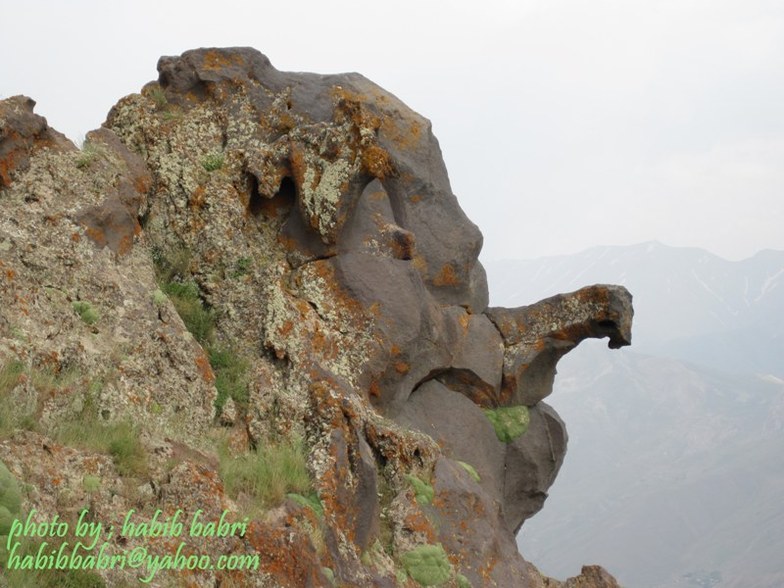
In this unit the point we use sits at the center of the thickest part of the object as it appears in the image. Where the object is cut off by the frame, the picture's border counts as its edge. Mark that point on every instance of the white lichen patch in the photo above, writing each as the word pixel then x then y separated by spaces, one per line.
pixel 322 189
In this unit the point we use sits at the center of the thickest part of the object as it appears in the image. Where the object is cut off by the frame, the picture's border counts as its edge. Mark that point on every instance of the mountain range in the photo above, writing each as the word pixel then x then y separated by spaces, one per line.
pixel 675 472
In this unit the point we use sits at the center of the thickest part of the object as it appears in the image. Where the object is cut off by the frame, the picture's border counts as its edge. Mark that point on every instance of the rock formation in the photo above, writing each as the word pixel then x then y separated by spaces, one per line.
pixel 243 260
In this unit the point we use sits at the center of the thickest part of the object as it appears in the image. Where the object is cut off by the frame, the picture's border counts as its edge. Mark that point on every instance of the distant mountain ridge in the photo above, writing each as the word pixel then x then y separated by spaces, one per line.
pixel 689 303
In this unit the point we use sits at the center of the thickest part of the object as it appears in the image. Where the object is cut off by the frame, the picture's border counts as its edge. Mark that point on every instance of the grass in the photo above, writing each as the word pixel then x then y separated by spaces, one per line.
pixel 231 376
pixel 230 366
pixel 313 502
pixel 10 499
pixel 266 475
pixel 386 529
pixel 159 297
pixel 158 96
pixel 9 376
pixel 90 152
pixel 213 161
pixel 171 265
pixel 91 484
pixel 44 578
pixel 172 271
pixel 84 429
pixel 15 415
pixel 120 439
pixel 86 312
pixel 198 319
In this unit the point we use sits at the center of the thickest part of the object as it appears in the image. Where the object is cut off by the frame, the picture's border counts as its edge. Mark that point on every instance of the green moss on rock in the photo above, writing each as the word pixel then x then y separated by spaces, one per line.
pixel 509 422
pixel 471 470
pixel 422 490
pixel 428 565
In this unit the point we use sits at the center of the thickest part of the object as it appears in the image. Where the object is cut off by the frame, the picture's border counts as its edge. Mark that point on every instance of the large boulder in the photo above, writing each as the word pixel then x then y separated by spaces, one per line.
pixel 242 258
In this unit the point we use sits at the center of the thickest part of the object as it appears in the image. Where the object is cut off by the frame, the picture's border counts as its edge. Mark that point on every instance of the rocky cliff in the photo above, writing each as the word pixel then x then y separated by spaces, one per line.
pixel 252 296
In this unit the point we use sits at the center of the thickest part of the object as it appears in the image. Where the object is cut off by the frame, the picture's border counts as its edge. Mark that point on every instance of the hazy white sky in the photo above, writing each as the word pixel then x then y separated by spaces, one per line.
pixel 564 123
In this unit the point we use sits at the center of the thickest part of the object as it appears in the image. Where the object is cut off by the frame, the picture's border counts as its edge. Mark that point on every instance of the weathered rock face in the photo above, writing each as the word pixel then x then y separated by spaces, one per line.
pixel 306 224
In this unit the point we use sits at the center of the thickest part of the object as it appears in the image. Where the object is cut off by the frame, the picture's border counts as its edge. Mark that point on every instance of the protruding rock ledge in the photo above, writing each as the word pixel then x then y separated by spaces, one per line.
pixel 537 336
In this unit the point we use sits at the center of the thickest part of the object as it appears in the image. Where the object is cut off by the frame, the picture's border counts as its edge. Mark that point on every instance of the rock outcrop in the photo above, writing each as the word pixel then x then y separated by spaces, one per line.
pixel 242 260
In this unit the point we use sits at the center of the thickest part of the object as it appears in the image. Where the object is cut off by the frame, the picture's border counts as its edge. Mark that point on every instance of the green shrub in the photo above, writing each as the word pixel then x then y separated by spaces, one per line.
pixel 268 473
pixel 462 581
pixel 10 499
pixel 509 422
pixel 213 161
pixel 428 565
pixel 86 312
pixel 422 490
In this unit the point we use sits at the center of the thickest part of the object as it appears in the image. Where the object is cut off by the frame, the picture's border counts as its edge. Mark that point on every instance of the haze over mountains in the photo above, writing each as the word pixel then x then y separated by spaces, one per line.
pixel 675 472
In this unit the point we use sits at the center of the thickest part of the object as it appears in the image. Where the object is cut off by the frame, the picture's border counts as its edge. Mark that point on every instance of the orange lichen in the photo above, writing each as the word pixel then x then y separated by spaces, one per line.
pixel 376 162
pixel 446 277
pixel 216 60
pixel 298 165
pixel 419 262
pixel 402 367
pixel 198 198
pixel 142 184
pixel 96 235
pixel 286 328
pixel 403 136
pixel 417 522
pixel 204 367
